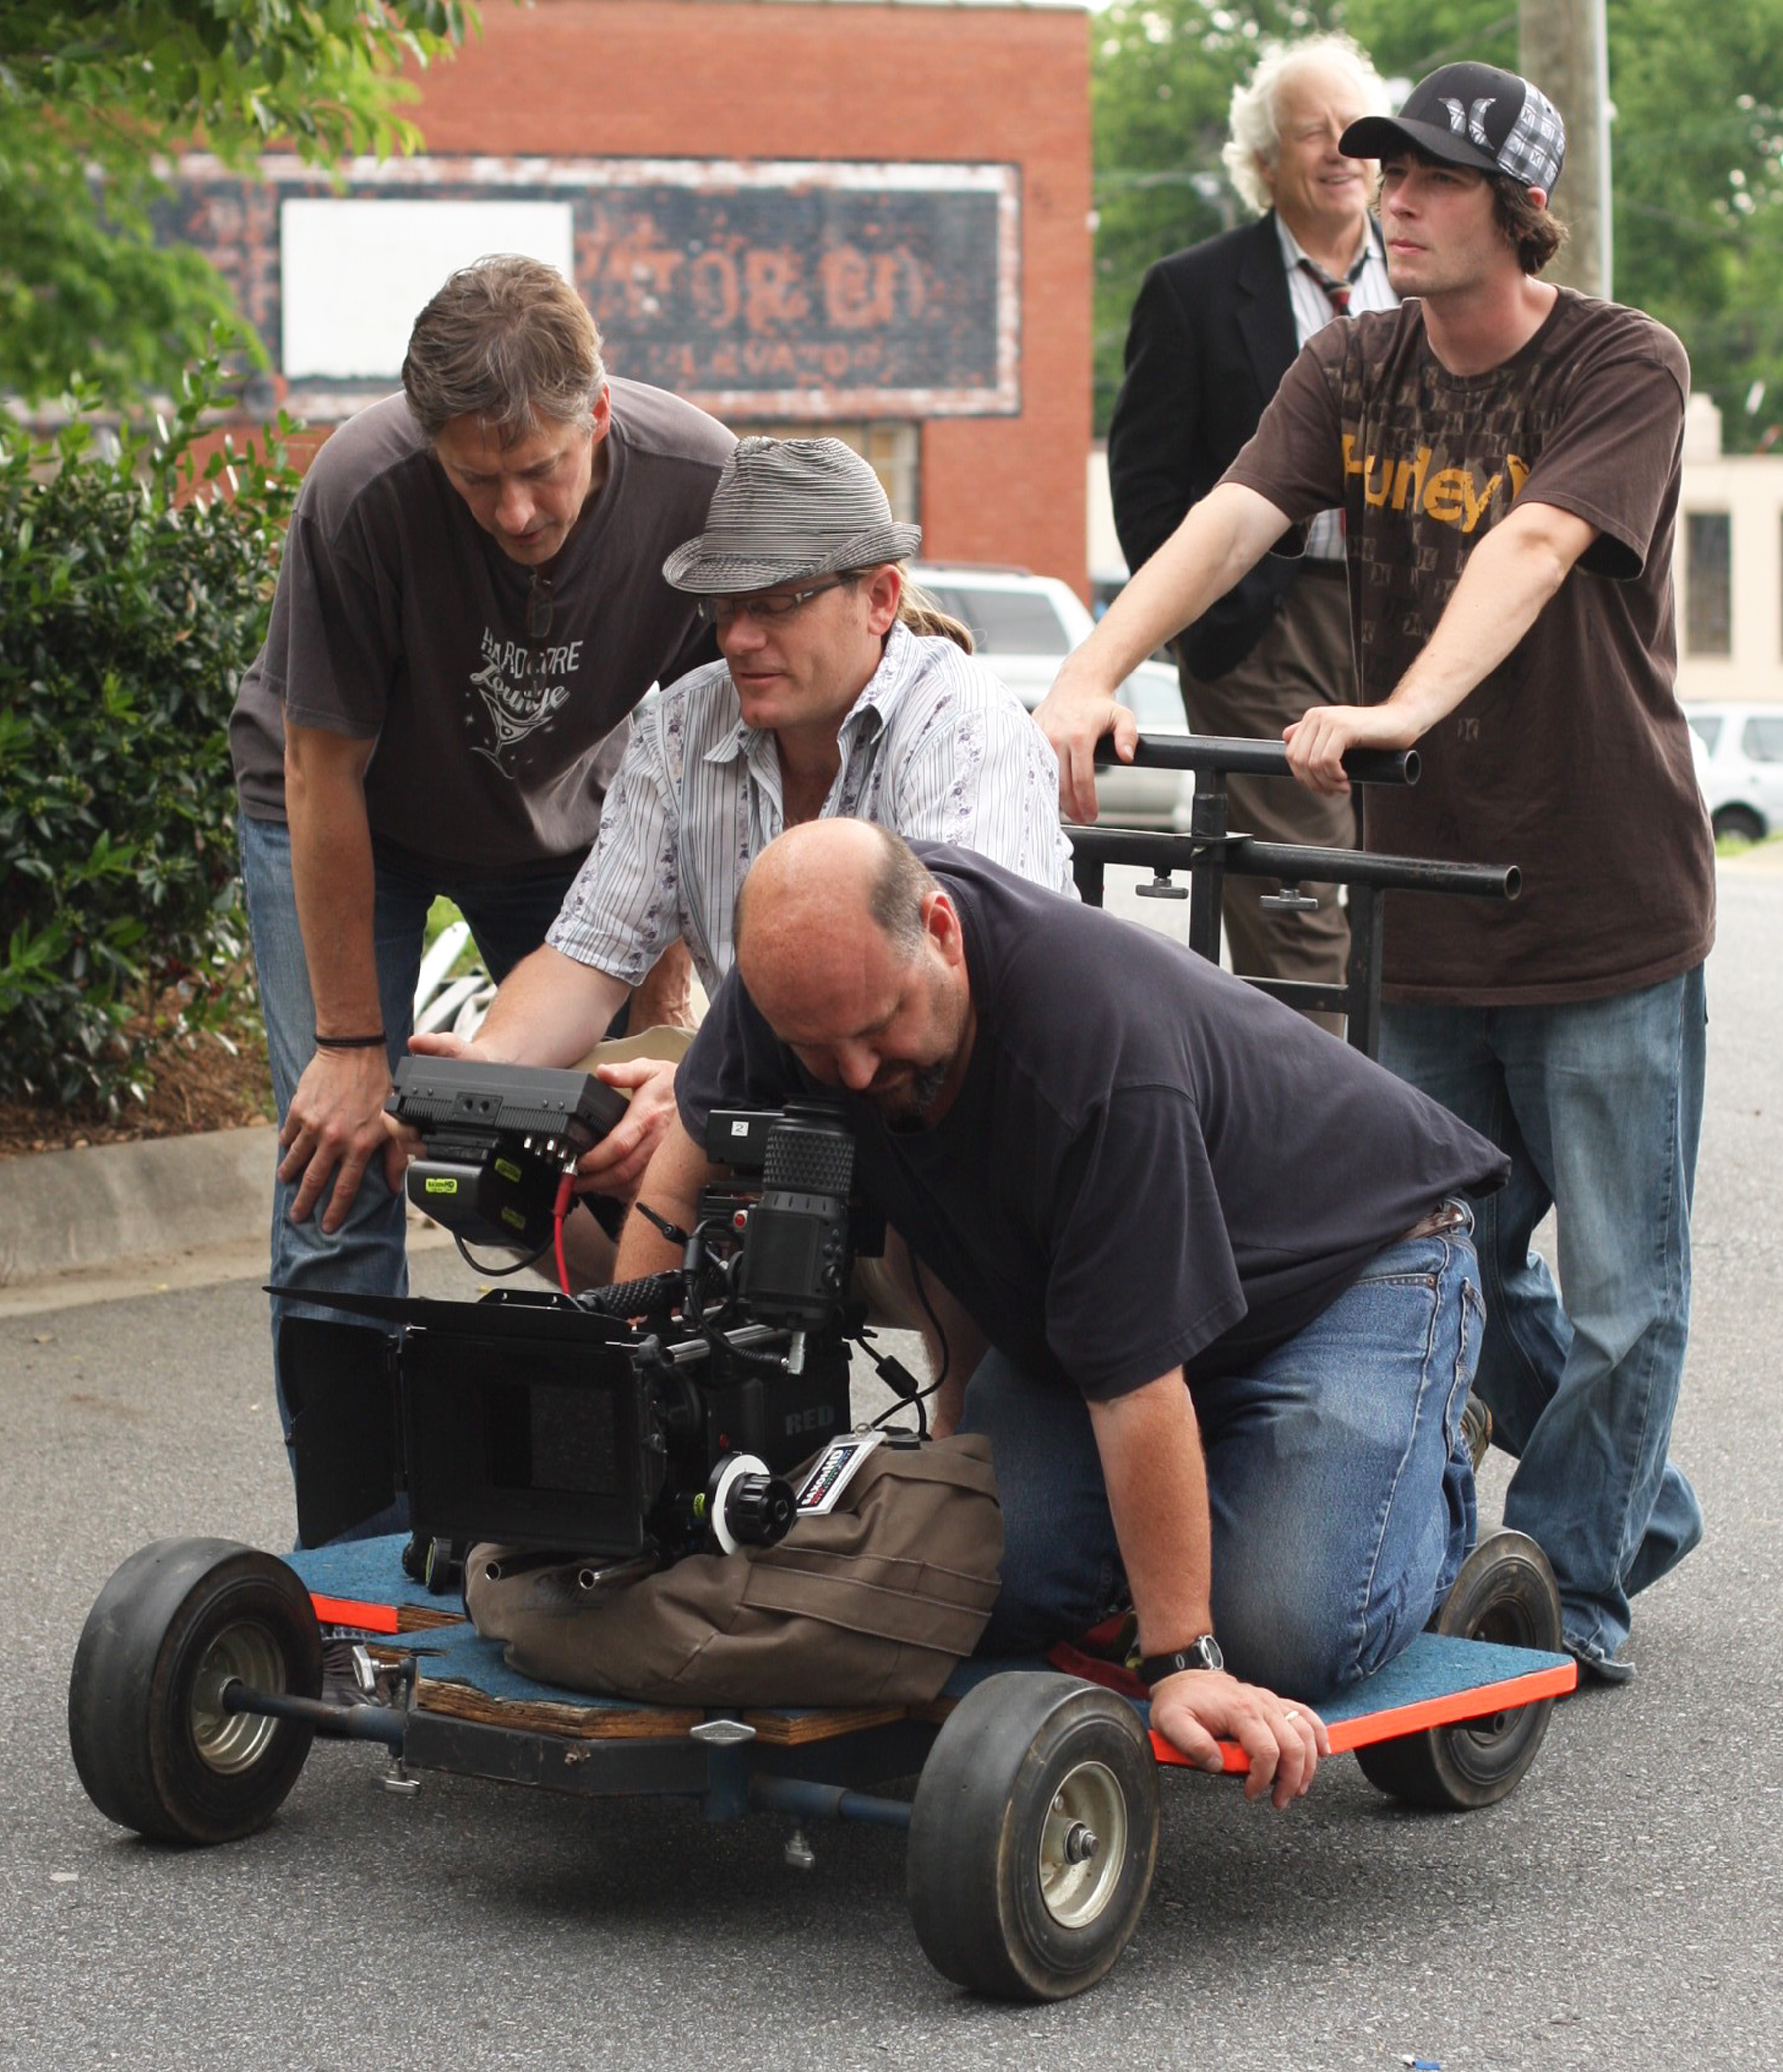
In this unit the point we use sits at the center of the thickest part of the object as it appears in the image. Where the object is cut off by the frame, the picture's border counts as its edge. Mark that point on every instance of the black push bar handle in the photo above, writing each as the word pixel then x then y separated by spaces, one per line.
pixel 1155 849
pixel 1256 759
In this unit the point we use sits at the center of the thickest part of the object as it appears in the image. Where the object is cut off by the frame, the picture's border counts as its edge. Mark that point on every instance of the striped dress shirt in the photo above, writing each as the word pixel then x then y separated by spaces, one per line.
pixel 1369 289
pixel 935 747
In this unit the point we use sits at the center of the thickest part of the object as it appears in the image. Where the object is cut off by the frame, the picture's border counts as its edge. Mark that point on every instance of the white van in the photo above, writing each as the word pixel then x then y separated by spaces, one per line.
pixel 1743 780
pixel 1024 626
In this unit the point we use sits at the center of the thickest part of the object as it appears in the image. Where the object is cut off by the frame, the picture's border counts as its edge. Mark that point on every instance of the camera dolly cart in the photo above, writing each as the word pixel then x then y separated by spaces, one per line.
pixel 668 1419
pixel 1034 1822
pixel 636 1424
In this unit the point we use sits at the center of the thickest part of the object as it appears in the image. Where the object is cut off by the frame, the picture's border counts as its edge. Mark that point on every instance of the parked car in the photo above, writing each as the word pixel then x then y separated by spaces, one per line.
pixel 1743 778
pixel 1024 626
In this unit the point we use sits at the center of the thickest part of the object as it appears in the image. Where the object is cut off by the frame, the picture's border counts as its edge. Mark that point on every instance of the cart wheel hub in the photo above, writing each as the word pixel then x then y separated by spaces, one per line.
pixel 1083 1845
pixel 228 1741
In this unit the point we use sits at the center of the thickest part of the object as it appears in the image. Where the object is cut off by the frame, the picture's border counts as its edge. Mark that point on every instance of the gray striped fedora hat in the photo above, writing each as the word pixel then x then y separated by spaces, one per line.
pixel 784 509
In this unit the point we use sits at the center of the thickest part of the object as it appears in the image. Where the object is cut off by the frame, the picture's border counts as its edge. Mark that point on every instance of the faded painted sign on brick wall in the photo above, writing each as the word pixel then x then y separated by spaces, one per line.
pixel 762 289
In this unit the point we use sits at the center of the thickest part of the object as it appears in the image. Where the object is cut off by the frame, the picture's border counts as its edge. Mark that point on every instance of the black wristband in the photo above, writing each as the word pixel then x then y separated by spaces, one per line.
pixel 352 1043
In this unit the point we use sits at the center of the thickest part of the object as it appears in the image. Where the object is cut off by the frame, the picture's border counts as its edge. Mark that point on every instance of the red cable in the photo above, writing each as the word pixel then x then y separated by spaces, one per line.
pixel 560 1209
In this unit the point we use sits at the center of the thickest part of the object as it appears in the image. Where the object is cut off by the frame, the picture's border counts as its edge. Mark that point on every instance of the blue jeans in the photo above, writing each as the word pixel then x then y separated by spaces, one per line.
pixel 1340 1488
pixel 1599 1104
pixel 508 919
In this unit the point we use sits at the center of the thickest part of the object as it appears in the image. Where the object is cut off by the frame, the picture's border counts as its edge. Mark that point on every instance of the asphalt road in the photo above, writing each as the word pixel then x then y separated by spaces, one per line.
pixel 1620 1910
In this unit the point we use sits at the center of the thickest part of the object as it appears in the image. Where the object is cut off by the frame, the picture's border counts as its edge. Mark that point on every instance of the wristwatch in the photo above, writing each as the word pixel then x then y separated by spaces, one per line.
pixel 1203 1652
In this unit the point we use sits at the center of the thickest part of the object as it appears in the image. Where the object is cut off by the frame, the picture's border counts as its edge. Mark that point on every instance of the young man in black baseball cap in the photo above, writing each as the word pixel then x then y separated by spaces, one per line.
pixel 1471 115
pixel 1507 455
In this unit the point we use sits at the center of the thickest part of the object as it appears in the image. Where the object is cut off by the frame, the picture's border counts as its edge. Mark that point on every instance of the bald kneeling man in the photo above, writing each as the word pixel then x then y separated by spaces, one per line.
pixel 1226 1297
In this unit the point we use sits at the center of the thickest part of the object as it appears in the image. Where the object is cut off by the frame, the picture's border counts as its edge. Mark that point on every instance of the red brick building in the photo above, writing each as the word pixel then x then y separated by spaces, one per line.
pixel 864 216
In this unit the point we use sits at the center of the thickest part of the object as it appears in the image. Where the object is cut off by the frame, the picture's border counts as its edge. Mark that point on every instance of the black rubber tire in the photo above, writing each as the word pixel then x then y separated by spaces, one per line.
pixel 153 1747
pixel 1027 1765
pixel 1504 1593
pixel 1738 824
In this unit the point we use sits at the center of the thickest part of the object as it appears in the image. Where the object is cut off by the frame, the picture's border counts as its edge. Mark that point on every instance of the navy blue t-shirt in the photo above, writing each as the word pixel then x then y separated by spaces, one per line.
pixel 1149 1165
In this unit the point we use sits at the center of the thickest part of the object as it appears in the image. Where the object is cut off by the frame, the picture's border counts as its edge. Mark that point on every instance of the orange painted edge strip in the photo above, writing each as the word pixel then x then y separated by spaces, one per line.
pixel 1448 1710
pixel 348 1611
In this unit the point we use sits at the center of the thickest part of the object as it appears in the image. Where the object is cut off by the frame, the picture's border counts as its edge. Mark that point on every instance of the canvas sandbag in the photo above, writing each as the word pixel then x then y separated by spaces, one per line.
pixel 872 1603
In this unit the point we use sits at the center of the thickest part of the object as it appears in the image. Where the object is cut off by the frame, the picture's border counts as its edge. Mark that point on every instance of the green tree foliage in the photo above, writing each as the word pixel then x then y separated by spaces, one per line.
pixel 1697 157
pixel 1162 73
pixel 96 94
pixel 1696 145
pixel 132 596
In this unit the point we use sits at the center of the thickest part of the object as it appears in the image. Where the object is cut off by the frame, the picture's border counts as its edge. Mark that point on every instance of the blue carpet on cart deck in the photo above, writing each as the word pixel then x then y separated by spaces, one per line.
pixel 370 1571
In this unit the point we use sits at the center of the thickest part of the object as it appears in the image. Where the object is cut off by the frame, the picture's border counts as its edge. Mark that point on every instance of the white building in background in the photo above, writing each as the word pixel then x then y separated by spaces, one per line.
pixel 1729 567
pixel 1729 564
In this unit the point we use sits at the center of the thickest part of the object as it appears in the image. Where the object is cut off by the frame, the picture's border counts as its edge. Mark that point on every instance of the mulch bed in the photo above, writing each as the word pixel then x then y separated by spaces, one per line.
pixel 198 1084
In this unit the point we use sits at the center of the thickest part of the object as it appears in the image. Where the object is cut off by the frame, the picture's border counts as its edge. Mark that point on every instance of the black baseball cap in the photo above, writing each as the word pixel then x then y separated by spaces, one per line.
pixel 1471 115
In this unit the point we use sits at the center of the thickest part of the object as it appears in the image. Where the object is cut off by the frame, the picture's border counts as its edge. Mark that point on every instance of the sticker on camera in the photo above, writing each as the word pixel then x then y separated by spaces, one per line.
pixel 833 1471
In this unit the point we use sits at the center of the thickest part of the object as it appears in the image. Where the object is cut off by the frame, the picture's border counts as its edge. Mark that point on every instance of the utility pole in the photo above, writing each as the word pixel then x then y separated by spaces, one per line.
pixel 1563 47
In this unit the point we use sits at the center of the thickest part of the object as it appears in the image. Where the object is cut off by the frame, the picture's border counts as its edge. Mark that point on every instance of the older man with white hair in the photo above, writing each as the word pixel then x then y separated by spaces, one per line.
pixel 1213 331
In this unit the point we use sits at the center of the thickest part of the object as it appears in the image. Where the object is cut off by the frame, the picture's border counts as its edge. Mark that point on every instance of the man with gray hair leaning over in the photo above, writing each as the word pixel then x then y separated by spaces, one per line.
pixel 470 603
pixel 1214 329
pixel 840 694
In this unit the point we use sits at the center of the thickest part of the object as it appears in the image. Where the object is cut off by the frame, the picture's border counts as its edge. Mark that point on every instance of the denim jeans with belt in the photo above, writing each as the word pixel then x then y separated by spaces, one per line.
pixel 1599 1104
pixel 1340 1488
pixel 508 918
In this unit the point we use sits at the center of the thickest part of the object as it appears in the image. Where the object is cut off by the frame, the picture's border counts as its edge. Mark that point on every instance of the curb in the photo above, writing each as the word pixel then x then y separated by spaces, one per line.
pixel 124 1219
pixel 113 1205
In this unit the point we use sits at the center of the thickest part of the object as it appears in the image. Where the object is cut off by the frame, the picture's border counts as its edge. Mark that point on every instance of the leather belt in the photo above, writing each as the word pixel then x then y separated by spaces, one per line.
pixel 1445 1216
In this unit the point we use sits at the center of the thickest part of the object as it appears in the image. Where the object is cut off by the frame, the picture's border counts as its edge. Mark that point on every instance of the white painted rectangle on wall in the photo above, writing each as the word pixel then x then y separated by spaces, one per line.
pixel 356 274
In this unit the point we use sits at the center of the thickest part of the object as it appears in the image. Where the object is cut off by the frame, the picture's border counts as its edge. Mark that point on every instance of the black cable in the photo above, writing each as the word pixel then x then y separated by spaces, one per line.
pixel 920 1399
pixel 497 1272
pixel 918 1403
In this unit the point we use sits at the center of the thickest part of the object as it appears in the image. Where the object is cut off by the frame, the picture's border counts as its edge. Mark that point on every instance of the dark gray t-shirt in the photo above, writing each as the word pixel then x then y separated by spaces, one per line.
pixel 1150 1164
pixel 397 619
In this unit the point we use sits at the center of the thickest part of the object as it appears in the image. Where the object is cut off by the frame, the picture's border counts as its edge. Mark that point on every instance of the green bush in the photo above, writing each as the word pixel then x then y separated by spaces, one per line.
pixel 134 592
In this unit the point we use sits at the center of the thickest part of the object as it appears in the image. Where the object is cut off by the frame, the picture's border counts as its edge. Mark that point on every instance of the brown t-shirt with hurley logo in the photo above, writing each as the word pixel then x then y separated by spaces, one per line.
pixel 1571 759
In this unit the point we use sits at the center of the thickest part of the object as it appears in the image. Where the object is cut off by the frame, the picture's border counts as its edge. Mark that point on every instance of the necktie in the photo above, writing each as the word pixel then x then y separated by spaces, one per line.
pixel 1337 292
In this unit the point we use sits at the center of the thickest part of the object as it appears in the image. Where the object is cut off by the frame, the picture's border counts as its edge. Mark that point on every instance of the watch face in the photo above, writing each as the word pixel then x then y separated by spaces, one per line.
pixel 1205 1653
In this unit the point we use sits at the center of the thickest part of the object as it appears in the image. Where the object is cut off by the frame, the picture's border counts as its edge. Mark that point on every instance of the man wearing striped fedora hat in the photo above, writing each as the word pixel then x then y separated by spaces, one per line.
pixel 841 692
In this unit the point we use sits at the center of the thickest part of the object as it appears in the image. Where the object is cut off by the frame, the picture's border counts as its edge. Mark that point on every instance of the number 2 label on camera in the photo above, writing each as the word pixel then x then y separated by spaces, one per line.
pixel 834 1470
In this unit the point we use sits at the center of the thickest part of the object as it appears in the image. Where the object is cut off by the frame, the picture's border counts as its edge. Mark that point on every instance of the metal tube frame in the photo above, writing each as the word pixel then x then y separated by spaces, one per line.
pixel 1209 850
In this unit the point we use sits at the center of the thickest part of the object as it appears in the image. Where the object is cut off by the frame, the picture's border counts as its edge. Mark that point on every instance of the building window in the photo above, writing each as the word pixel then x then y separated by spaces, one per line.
pixel 1708 582
pixel 893 449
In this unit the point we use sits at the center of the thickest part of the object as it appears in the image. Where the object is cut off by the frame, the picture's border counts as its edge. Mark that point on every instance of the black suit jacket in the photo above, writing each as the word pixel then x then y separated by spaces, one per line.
pixel 1213 334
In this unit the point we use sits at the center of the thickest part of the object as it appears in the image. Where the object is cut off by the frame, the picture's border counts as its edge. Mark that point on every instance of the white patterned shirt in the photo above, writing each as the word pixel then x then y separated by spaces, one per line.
pixel 935 748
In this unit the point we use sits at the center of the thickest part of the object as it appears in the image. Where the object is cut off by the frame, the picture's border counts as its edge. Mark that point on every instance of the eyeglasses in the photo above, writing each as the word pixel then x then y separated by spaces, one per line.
pixel 767 610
